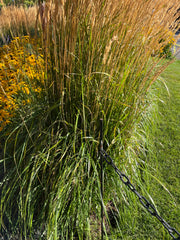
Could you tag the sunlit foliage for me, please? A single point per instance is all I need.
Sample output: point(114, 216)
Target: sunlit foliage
point(21, 72)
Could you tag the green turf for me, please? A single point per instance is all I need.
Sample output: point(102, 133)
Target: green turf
point(163, 158)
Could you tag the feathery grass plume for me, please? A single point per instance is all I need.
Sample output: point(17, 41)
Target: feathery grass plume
point(16, 21)
point(101, 58)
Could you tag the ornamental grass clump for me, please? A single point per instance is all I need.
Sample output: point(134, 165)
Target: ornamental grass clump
point(16, 21)
point(100, 59)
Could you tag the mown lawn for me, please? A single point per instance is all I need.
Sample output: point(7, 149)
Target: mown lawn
point(163, 158)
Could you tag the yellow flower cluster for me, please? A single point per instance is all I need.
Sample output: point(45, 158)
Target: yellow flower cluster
point(21, 71)
point(169, 40)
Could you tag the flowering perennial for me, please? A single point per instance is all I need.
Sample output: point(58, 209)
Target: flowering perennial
point(21, 73)
point(170, 41)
